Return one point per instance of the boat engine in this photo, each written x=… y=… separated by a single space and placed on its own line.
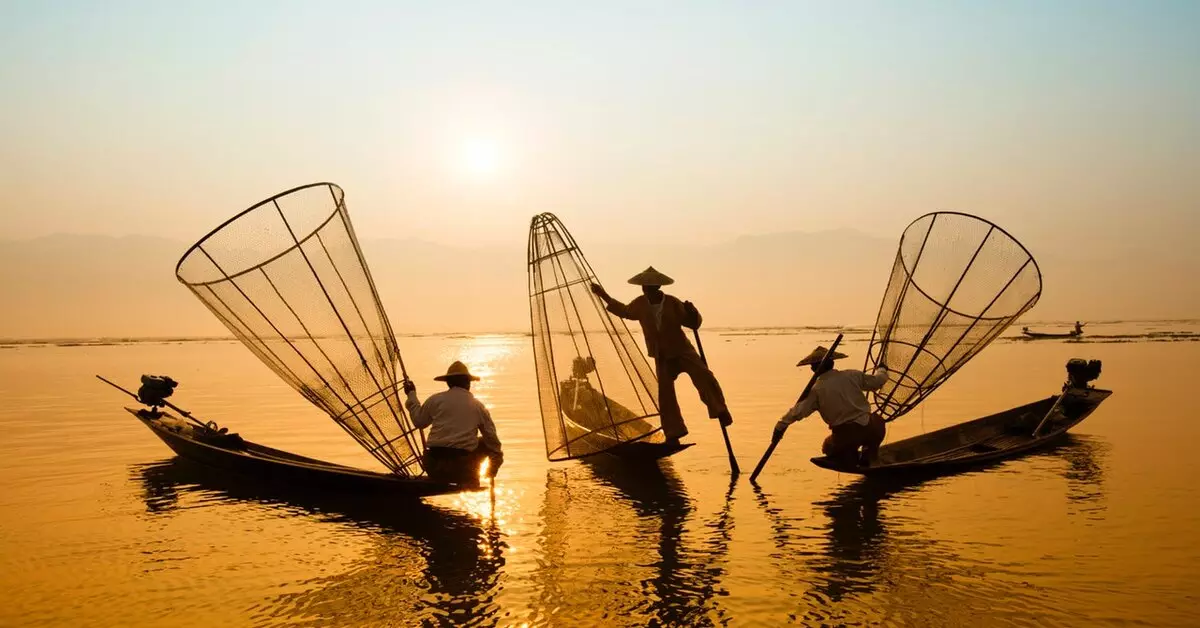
x=581 y=366
x=1080 y=372
x=155 y=389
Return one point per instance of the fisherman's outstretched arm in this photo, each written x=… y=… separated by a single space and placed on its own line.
x=876 y=379
x=612 y=305
x=420 y=418
x=803 y=408
x=487 y=432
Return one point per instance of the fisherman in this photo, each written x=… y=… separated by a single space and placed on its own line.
x=662 y=318
x=838 y=396
x=1079 y=328
x=462 y=435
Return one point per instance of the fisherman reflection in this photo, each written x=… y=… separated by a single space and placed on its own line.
x=677 y=586
x=424 y=565
x=856 y=541
x=854 y=551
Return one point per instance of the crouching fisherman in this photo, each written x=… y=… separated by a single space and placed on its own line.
x=839 y=397
x=462 y=433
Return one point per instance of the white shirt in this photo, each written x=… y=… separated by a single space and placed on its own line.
x=838 y=396
x=456 y=416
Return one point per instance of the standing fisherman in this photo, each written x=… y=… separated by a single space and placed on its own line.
x=662 y=318
x=838 y=396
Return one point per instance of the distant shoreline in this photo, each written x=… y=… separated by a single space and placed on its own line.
x=729 y=331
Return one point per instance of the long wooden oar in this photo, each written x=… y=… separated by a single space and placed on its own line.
x=775 y=438
x=733 y=463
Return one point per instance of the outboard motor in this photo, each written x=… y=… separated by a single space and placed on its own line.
x=1080 y=372
x=580 y=366
x=155 y=389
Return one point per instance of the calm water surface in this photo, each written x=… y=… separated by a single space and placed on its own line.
x=101 y=525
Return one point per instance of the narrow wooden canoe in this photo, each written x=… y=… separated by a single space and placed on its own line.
x=231 y=452
x=1038 y=334
x=997 y=437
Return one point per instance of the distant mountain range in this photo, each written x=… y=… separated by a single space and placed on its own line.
x=91 y=286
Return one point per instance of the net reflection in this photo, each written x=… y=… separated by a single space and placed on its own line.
x=425 y=565
x=626 y=551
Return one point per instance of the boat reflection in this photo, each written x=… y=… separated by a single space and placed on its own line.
x=426 y=564
x=625 y=549
x=863 y=553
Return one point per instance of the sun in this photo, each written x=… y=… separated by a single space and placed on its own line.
x=481 y=158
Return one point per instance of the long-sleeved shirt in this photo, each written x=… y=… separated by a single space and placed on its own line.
x=838 y=396
x=459 y=420
x=662 y=329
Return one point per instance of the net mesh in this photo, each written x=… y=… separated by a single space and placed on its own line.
x=957 y=283
x=595 y=387
x=288 y=278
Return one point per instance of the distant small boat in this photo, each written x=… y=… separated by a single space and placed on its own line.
x=1008 y=434
x=1075 y=333
x=233 y=453
x=1038 y=334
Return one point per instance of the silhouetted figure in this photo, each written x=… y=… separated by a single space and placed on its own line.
x=838 y=396
x=462 y=432
x=1079 y=328
x=662 y=318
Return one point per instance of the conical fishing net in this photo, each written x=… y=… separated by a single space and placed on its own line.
x=596 y=388
x=287 y=277
x=958 y=282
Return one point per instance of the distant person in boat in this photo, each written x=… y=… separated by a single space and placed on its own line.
x=662 y=318
x=839 y=397
x=462 y=433
x=1079 y=328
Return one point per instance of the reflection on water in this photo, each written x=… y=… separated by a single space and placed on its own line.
x=1102 y=529
x=637 y=541
x=425 y=564
x=867 y=555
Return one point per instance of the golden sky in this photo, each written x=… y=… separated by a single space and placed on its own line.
x=1072 y=124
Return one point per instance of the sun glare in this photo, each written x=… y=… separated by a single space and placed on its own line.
x=481 y=158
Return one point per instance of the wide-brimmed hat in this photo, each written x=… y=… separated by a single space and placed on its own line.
x=458 y=369
x=818 y=354
x=651 y=277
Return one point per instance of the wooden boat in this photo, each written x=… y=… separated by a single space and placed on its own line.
x=1000 y=436
x=1038 y=334
x=233 y=453
x=1074 y=333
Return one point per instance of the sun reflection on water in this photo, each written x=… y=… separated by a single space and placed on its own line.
x=486 y=357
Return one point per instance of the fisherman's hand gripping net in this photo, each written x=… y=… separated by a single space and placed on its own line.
x=596 y=388
x=958 y=282
x=287 y=277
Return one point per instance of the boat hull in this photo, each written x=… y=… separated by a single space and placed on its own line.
x=1038 y=334
x=278 y=466
x=1002 y=436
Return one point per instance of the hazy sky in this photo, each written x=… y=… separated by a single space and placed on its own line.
x=1076 y=123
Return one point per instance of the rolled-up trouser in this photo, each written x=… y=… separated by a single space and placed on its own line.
x=845 y=439
x=459 y=466
x=667 y=369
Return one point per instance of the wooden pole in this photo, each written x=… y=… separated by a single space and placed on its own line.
x=733 y=463
x=775 y=438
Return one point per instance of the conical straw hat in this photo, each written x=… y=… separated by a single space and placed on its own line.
x=651 y=277
x=458 y=369
x=817 y=354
